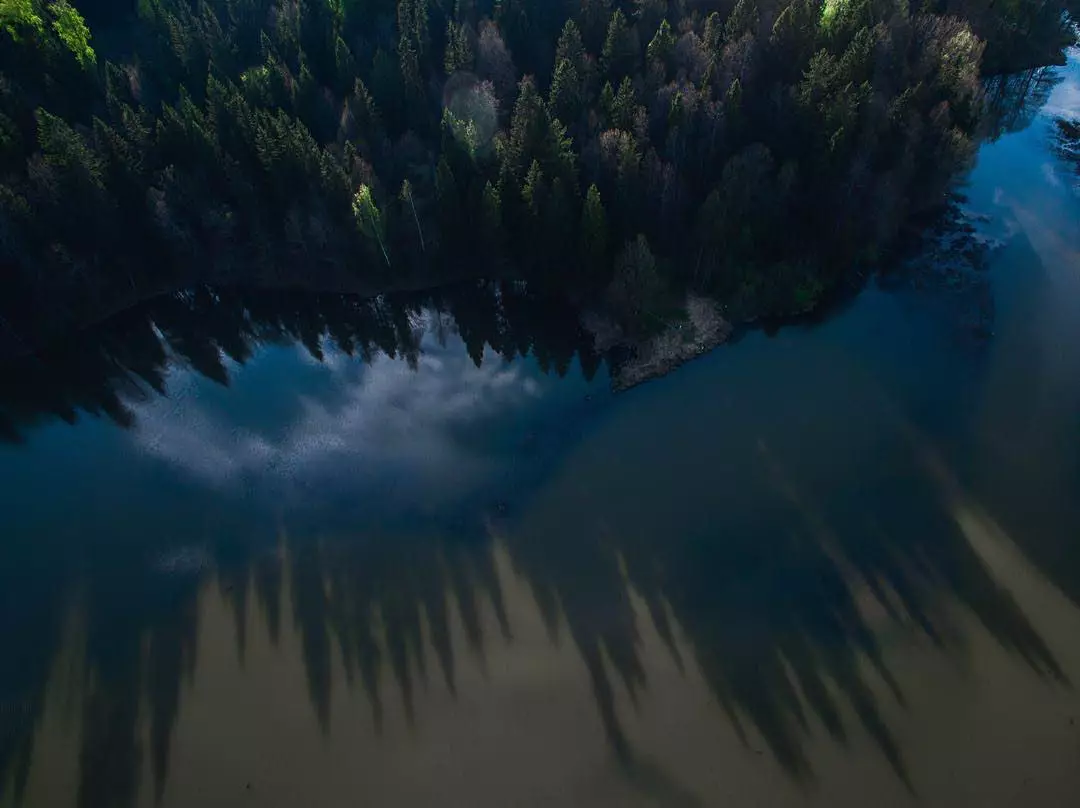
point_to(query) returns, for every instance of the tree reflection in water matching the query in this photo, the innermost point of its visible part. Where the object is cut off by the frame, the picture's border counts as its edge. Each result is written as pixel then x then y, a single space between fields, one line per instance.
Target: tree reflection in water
pixel 1068 144
pixel 770 601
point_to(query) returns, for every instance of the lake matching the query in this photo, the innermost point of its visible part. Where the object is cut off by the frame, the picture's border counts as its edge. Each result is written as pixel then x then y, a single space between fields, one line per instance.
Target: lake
pixel 306 550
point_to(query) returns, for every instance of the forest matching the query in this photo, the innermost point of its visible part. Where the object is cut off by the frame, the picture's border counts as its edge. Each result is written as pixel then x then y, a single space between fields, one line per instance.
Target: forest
pixel 759 151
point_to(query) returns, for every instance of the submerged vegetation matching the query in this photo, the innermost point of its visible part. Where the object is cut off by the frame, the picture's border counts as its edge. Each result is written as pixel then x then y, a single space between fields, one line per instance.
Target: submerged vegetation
pixel 756 150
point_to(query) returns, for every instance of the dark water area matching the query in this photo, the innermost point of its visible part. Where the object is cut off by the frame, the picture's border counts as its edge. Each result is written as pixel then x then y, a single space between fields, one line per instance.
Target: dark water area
pixel 304 550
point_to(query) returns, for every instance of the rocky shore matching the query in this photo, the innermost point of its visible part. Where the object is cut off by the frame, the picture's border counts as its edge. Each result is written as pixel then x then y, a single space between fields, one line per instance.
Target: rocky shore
pixel 702 330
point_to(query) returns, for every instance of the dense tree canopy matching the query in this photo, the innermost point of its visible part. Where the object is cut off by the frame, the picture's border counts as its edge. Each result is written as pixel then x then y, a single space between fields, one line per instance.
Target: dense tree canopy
pixel 757 149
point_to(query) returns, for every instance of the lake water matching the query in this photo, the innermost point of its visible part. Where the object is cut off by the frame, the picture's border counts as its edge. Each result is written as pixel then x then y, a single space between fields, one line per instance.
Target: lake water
pixel 831 565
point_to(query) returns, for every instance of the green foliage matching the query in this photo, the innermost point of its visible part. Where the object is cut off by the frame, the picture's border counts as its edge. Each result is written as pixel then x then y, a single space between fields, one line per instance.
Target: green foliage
pixel 409 200
pixel 831 10
pixel 662 46
pixel 364 110
pixel 637 289
pixel 65 151
pixel 491 212
pixel 713 36
pixel 594 229
pixel 459 52
pixel 570 46
pixel 464 131
pixel 808 293
pixel 829 91
pixel 621 51
pixel 9 135
pixel 16 15
pixel 448 196
pixel 369 218
pixel 958 63
pixel 257 82
pixel 535 135
pixel 795 31
pixel 413 42
pixel 565 98
pixel 71 28
pixel 743 20
pixel 533 191
pixel 619 108
pixel 345 67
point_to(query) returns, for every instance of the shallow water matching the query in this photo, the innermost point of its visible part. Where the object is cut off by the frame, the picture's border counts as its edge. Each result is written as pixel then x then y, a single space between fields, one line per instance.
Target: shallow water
pixel 829 565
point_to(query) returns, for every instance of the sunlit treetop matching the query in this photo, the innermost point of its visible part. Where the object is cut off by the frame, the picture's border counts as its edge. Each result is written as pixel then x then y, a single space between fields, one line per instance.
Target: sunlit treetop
pixel 19 14
pixel 72 30
pixel 830 9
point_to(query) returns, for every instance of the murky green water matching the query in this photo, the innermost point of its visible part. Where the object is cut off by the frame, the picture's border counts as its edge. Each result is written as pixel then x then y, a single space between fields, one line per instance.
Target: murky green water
pixel 835 564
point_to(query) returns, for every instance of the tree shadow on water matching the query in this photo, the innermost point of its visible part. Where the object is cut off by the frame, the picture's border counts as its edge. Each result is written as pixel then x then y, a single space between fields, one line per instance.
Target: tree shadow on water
pixel 387 603
pixel 769 603
pixel 773 603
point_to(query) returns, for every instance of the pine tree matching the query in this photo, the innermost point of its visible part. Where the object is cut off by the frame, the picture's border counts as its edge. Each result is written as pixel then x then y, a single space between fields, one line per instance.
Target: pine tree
pixel 491 211
pixel 364 110
pixel 19 17
pixel 620 108
pixel 534 195
pixel 594 231
pixel 743 20
pixel 369 219
pixel 662 46
pixel 413 42
pixel 570 47
pixel 793 37
pixel 448 197
pixel 713 37
pixel 528 126
pixel 565 96
pixel 607 100
pixel 67 153
pixel 345 67
pixel 409 201
pixel 71 28
pixel 621 51
pixel 494 63
pixel 637 285
pixel 594 18
pixel 409 65
pixel 459 53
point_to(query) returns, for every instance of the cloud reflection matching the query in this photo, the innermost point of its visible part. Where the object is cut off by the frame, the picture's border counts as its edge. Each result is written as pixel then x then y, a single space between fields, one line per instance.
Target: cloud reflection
pixel 354 421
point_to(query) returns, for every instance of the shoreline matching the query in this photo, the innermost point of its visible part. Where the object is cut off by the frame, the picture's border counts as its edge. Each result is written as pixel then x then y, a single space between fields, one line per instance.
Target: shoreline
pixel 653 357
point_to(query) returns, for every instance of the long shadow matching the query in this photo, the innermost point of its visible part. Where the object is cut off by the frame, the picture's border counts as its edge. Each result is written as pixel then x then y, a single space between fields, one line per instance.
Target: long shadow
pixel 769 609
pixel 770 606
pixel 388 600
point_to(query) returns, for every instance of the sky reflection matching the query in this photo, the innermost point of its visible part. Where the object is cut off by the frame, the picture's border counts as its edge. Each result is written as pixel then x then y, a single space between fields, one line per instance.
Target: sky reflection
pixel 445 428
